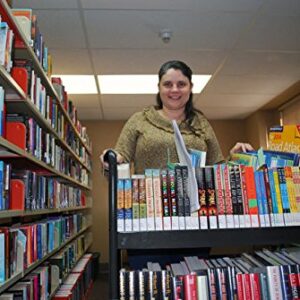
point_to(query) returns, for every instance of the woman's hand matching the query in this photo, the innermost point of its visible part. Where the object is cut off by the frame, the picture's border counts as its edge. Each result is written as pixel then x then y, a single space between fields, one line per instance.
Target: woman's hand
pixel 241 147
pixel 104 164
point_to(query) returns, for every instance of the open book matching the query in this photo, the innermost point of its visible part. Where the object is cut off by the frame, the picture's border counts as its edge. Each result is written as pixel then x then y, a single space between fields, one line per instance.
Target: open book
pixel 185 160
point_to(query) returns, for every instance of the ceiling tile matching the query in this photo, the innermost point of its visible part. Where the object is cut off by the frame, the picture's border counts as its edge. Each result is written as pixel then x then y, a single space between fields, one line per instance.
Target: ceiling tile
pixel 89 114
pixel 140 29
pixel 248 85
pixel 281 8
pixel 85 101
pixel 122 113
pixel 44 4
pixel 230 100
pixel 138 4
pixel 76 61
pixel 61 28
pixel 273 33
pixel 229 113
pixel 262 63
pixel 127 101
pixel 146 61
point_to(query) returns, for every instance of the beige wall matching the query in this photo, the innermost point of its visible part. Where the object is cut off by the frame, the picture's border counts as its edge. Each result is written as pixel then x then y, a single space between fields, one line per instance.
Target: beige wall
pixel 104 134
pixel 291 114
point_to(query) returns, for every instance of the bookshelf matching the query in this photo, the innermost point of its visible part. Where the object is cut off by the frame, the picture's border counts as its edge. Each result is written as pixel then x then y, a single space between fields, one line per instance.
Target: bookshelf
pixel 180 239
pixel 19 102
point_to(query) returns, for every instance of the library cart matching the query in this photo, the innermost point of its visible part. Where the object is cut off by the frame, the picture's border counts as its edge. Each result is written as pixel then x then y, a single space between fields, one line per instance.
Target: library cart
pixel 180 239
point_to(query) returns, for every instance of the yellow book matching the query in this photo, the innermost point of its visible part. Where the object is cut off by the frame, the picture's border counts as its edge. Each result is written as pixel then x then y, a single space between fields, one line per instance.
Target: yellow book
pixel 285 138
pixel 277 190
pixel 291 189
pixel 296 181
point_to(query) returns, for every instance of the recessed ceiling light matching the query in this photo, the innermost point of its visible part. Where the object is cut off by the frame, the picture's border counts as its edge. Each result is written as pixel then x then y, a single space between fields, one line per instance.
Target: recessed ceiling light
pixel 79 84
pixel 141 84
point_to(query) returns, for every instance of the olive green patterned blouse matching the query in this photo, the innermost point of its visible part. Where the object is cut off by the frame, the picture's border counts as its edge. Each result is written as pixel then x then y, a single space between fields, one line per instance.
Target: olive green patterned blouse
pixel 147 139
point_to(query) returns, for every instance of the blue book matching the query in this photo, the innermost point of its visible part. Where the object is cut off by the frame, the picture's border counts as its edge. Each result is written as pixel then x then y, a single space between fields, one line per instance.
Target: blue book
pixel 2 200
pixel 2 257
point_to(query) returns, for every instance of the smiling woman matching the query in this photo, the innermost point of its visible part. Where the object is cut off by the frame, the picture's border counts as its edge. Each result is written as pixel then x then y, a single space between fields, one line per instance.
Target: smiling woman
pixel 147 138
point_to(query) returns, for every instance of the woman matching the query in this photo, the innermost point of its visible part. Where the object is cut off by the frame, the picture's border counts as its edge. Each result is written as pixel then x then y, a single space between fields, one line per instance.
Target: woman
pixel 147 138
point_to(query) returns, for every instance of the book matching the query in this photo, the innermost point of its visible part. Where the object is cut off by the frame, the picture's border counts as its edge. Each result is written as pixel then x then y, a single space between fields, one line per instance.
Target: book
pixel 203 210
pixel 285 138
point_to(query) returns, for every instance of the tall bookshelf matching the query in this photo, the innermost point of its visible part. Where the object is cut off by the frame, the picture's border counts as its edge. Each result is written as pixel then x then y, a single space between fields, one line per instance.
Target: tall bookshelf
pixel 180 239
pixel 17 101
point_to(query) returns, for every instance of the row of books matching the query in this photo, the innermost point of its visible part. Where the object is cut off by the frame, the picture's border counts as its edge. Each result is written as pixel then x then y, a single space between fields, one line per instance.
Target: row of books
pixel 23 244
pixel 78 283
pixel 70 108
pixel 230 196
pixel 28 135
pixel 40 192
pixel 262 275
pixel 27 190
pixel 24 74
pixel 27 22
pixel 6 45
pixel 44 281
pixel 67 258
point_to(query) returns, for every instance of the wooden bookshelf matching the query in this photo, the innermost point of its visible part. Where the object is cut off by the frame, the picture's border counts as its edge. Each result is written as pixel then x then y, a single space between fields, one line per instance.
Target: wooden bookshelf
pixel 11 281
pixel 20 103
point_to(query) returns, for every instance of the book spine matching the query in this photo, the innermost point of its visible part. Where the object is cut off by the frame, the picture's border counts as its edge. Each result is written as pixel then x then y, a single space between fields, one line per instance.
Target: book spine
pixel 143 203
pixel 227 195
pixel 128 204
pixel 252 197
pixel 173 200
pixel 158 214
pixel 180 197
pixel 220 199
pixel 279 220
pixel 149 200
pixel 211 197
pixel 135 205
pixel 234 199
pixel 120 206
pixel 203 210
pixel 291 195
pixel 165 200
pixel 284 197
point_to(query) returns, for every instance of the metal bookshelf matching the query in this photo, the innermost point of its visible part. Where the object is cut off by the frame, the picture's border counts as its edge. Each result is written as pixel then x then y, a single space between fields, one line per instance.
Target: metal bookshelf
pixel 185 239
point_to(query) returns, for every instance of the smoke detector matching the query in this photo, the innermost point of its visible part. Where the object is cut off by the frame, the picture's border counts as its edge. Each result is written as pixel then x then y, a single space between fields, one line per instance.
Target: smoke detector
pixel 165 35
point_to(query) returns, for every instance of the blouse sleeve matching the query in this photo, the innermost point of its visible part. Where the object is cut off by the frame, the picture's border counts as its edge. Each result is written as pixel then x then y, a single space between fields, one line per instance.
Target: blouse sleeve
pixel 214 153
pixel 126 143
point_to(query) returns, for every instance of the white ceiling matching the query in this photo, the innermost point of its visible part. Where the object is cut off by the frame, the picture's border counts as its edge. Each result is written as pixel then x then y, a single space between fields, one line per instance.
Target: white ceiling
pixel 251 48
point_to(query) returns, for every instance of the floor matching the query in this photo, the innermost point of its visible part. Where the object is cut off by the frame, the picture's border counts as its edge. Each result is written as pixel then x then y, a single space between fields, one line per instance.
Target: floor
pixel 100 288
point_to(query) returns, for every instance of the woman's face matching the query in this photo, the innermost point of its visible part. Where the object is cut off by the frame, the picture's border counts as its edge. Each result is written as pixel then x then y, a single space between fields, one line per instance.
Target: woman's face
pixel 174 90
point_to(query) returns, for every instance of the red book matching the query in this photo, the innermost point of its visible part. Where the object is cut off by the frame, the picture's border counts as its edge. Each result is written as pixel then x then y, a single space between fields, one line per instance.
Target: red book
pixel 190 286
pixel 255 286
pixel 16 134
pixel 20 75
pixel 17 194
pixel 240 286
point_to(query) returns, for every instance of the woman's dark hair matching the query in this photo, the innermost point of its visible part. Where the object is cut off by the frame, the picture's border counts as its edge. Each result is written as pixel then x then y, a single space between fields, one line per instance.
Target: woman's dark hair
pixel 187 72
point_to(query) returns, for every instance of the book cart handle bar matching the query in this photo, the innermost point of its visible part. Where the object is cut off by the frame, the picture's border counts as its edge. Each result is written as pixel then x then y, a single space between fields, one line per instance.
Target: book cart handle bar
pixel 111 157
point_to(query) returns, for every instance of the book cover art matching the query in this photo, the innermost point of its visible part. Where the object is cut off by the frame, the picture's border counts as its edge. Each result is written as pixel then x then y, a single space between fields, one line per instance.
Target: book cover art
pixel 285 138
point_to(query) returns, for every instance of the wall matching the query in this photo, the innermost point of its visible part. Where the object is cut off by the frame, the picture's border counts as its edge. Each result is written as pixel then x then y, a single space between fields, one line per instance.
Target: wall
pixel 291 114
pixel 103 135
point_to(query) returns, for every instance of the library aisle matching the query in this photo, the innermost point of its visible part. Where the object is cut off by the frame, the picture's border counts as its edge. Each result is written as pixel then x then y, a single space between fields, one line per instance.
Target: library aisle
pixel 100 288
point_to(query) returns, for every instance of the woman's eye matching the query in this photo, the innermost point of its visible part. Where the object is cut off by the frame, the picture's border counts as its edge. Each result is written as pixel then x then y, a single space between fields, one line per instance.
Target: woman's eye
pixel 167 84
pixel 181 84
